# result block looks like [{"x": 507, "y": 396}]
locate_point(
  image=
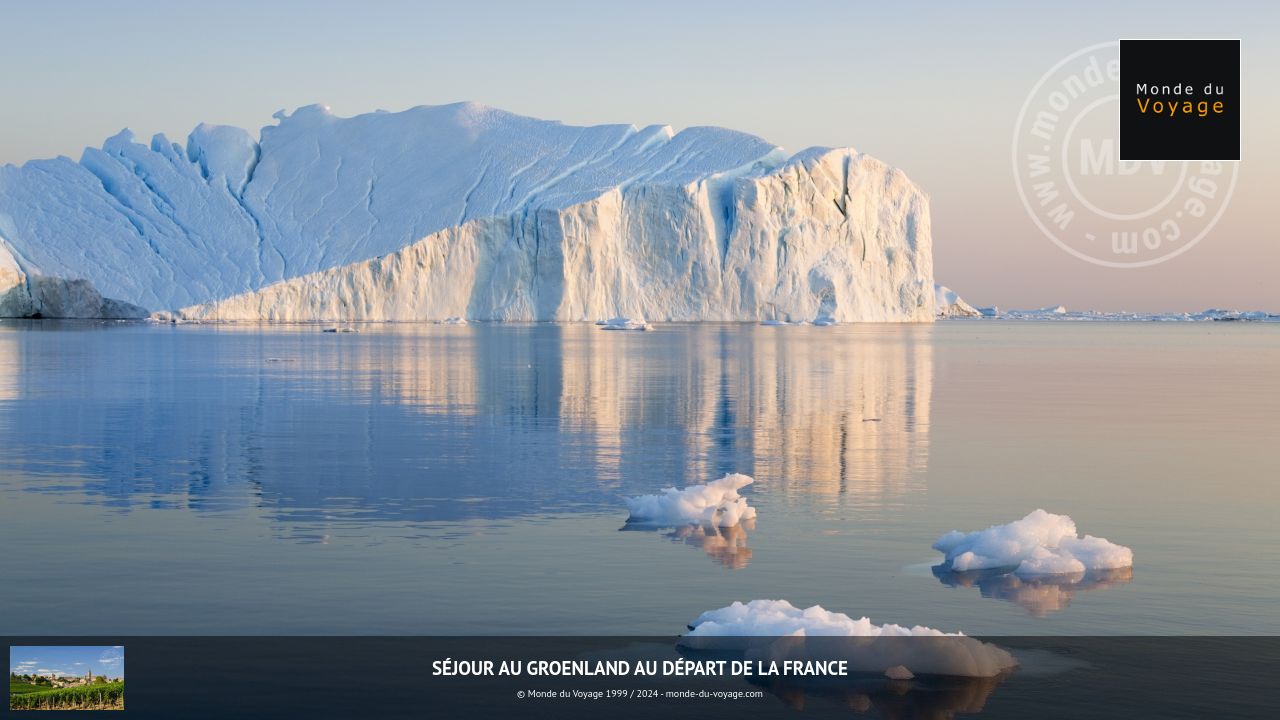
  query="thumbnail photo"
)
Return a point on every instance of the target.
[{"x": 66, "y": 677}]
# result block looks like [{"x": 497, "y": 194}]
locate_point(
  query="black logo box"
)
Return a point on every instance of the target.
[{"x": 1187, "y": 68}]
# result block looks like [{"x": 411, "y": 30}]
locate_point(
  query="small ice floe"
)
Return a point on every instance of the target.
[
  {"x": 715, "y": 504},
  {"x": 824, "y": 322},
  {"x": 776, "y": 630},
  {"x": 453, "y": 321},
  {"x": 1041, "y": 543},
  {"x": 623, "y": 323},
  {"x": 341, "y": 329}
]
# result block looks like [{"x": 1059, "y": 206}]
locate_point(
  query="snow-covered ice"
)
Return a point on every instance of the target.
[
  {"x": 776, "y": 628},
  {"x": 951, "y": 305},
  {"x": 716, "y": 503},
  {"x": 1041, "y": 543},
  {"x": 1059, "y": 313},
  {"x": 622, "y": 323},
  {"x": 468, "y": 211}
]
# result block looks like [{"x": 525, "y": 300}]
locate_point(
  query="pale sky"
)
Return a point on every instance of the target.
[{"x": 932, "y": 88}]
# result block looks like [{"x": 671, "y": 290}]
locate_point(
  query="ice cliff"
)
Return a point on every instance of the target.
[{"x": 471, "y": 212}]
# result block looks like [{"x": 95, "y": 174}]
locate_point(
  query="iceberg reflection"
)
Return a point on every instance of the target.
[
  {"x": 725, "y": 545},
  {"x": 1041, "y": 595},
  {"x": 408, "y": 424}
]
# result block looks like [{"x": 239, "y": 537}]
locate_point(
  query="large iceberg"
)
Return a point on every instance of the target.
[{"x": 471, "y": 212}]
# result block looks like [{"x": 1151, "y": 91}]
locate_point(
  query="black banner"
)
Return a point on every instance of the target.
[{"x": 571, "y": 677}]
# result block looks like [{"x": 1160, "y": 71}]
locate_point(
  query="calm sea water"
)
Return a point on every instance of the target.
[{"x": 456, "y": 480}]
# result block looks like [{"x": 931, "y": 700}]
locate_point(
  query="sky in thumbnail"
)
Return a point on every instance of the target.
[{"x": 67, "y": 660}]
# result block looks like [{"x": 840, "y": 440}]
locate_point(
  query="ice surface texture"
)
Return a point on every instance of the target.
[
  {"x": 467, "y": 211},
  {"x": 1041, "y": 543},
  {"x": 715, "y": 504},
  {"x": 871, "y": 647}
]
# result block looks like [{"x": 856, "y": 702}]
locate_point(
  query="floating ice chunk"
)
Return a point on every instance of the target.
[
  {"x": 776, "y": 629},
  {"x": 339, "y": 330},
  {"x": 776, "y": 618},
  {"x": 788, "y": 323},
  {"x": 824, "y": 322},
  {"x": 454, "y": 321},
  {"x": 715, "y": 504},
  {"x": 1041, "y": 543},
  {"x": 622, "y": 323}
]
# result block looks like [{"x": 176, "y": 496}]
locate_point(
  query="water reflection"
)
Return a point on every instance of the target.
[
  {"x": 923, "y": 698},
  {"x": 325, "y": 433},
  {"x": 1040, "y": 596},
  {"x": 725, "y": 545},
  {"x": 932, "y": 676}
]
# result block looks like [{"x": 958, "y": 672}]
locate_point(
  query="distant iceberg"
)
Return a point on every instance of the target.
[
  {"x": 951, "y": 305},
  {"x": 776, "y": 629},
  {"x": 1041, "y": 543},
  {"x": 1061, "y": 313},
  {"x": 715, "y": 504}
]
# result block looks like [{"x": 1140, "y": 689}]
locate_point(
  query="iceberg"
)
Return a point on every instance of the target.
[
  {"x": 714, "y": 504},
  {"x": 1060, "y": 313},
  {"x": 951, "y": 305},
  {"x": 1041, "y": 543},
  {"x": 471, "y": 212},
  {"x": 776, "y": 629}
]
